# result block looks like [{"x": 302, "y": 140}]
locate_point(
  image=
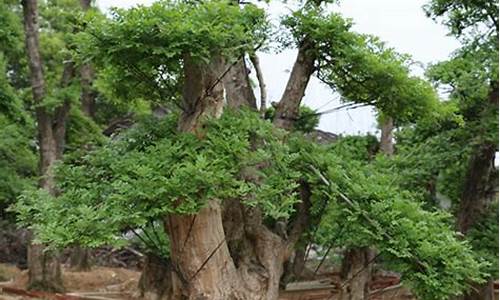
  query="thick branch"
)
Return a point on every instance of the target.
[
  {"x": 288, "y": 107},
  {"x": 262, "y": 85}
]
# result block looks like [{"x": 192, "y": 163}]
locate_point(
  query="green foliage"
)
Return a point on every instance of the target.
[
  {"x": 463, "y": 15},
  {"x": 361, "y": 67},
  {"x": 483, "y": 237},
  {"x": 153, "y": 170},
  {"x": 419, "y": 244},
  {"x": 18, "y": 161},
  {"x": 142, "y": 48}
]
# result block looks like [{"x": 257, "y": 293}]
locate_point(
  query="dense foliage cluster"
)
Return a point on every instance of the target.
[{"x": 142, "y": 175}]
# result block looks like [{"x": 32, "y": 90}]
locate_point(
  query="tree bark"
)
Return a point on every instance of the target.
[
  {"x": 220, "y": 253},
  {"x": 262, "y": 84},
  {"x": 199, "y": 252},
  {"x": 356, "y": 272},
  {"x": 481, "y": 180},
  {"x": 288, "y": 108},
  {"x": 239, "y": 92},
  {"x": 80, "y": 260},
  {"x": 386, "y": 143},
  {"x": 44, "y": 271}
]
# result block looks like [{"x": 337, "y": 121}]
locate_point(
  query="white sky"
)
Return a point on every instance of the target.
[{"x": 400, "y": 23}]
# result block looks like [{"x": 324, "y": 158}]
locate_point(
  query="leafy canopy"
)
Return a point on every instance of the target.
[{"x": 153, "y": 170}]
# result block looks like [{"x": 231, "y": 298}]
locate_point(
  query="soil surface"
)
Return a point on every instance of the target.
[{"x": 113, "y": 283}]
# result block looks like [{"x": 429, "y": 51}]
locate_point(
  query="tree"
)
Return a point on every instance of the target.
[
  {"x": 44, "y": 268},
  {"x": 254, "y": 186}
]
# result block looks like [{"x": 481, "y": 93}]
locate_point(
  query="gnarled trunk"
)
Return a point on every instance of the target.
[
  {"x": 480, "y": 189},
  {"x": 222, "y": 252},
  {"x": 356, "y": 273}
]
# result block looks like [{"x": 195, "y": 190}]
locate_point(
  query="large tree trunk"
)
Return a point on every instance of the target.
[
  {"x": 481, "y": 180},
  {"x": 479, "y": 188},
  {"x": 199, "y": 252},
  {"x": 356, "y": 273},
  {"x": 221, "y": 253},
  {"x": 43, "y": 266}
]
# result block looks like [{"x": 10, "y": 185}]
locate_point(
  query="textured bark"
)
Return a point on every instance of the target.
[
  {"x": 199, "y": 252},
  {"x": 479, "y": 188},
  {"x": 87, "y": 95},
  {"x": 288, "y": 107},
  {"x": 356, "y": 272},
  {"x": 386, "y": 144},
  {"x": 44, "y": 271},
  {"x": 220, "y": 253},
  {"x": 80, "y": 260},
  {"x": 239, "y": 92}
]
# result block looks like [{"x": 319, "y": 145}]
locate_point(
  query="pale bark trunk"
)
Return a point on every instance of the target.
[
  {"x": 386, "y": 137},
  {"x": 262, "y": 84},
  {"x": 239, "y": 258},
  {"x": 288, "y": 108},
  {"x": 199, "y": 252},
  {"x": 239, "y": 92}
]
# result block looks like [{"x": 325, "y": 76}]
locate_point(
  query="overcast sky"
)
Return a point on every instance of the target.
[{"x": 400, "y": 23}]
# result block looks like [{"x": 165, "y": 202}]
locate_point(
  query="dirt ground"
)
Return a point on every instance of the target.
[
  {"x": 104, "y": 280},
  {"x": 107, "y": 283}
]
